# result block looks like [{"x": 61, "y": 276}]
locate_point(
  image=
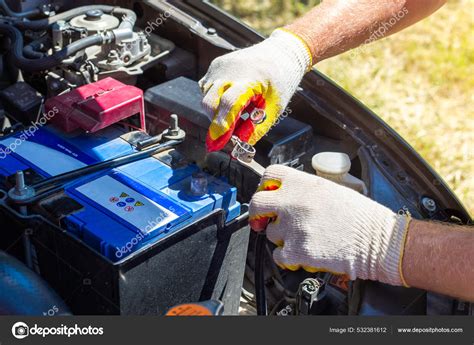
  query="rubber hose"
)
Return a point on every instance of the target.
[
  {"x": 24, "y": 292},
  {"x": 31, "y": 50},
  {"x": 128, "y": 21},
  {"x": 27, "y": 14},
  {"x": 36, "y": 65},
  {"x": 129, "y": 18},
  {"x": 260, "y": 244},
  {"x": 30, "y": 53}
]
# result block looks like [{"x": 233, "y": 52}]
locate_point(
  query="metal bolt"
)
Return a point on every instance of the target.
[
  {"x": 429, "y": 204},
  {"x": 113, "y": 55},
  {"x": 174, "y": 124},
  {"x": 21, "y": 191},
  {"x": 20, "y": 186},
  {"x": 173, "y": 132},
  {"x": 258, "y": 115},
  {"x": 211, "y": 31}
]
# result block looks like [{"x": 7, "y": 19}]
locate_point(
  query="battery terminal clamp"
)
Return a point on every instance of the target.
[
  {"x": 311, "y": 293},
  {"x": 244, "y": 153},
  {"x": 173, "y": 132}
]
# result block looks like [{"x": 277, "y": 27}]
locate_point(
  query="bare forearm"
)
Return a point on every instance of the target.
[
  {"x": 336, "y": 26},
  {"x": 440, "y": 257}
]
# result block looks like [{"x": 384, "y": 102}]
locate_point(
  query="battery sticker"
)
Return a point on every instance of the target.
[
  {"x": 51, "y": 161},
  {"x": 131, "y": 206}
]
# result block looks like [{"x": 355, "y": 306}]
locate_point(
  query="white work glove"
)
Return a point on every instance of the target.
[
  {"x": 264, "y": 76},
  {"x": 322, "y": 226}
]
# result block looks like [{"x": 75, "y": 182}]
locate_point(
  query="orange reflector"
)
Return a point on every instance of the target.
[{"x": 189, "y": 309}]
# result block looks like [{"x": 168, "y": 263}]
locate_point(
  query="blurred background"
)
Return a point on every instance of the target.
[{"x": 420, "y": 81}]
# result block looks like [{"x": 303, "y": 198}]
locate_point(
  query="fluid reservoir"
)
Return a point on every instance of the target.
[{"x": 335, "y": 166}]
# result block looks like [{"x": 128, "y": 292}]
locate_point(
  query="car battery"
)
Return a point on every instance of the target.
[{"x": 122, "y": 238}]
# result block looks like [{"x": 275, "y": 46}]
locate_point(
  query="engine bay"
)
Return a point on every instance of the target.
[{"x": 105, "y": 178}]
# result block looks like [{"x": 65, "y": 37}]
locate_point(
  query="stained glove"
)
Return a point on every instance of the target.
[
  {"x": 322, "y": 226},
  {"x": 264, "y": 76}
]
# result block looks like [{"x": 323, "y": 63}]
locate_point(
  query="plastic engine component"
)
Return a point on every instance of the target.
[
  {"x": 21, "y": 101},
  {"x": 124, "y": 209},
  {"x": 95, "y": 106}
]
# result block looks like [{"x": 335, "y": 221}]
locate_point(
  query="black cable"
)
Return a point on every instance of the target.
[
  {"x": 27, "y": 14},
  {"x": 260, "y": 244},
  {"x": 108, "y": 164},
  {"x": 48, "y": 62},
  {"x": 53, "y": 184}
]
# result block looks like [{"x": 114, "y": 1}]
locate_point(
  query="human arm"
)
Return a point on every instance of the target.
[
  {"x": 440, "y": 257},
  {"x": 336, "y": 26},
  {"x": 333, "y": 228},
  {"x": 267, "y": 74}
]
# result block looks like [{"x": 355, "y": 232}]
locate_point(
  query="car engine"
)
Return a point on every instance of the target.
[{"x": 106, "y": 189}]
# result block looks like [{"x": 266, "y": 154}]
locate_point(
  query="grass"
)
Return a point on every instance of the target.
[{"x": 419, "y": 81}]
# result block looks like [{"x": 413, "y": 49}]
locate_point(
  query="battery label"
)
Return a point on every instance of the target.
[
  {"x": 138, "y": 210},
  {"x": 56, "y": 163}
]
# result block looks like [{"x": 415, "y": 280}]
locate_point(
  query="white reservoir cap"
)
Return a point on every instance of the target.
[{"x": 333, "y": 163}]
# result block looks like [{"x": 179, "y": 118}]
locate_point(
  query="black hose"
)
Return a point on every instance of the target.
[
  {"x": 260, "y": 244},
  {"x": 29, "y": 60},
  {"x": 128, "y": 20},
  {"x": 31, "y": 50},
  {"x": 27, "y": 14},
  {"x": 36, "y": 65}
]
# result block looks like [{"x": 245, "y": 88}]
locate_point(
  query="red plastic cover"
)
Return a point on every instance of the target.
[{"x": 95, "y": 106}]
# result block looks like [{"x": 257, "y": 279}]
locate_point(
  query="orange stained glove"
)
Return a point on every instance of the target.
[{"x": 262, "y": 77}]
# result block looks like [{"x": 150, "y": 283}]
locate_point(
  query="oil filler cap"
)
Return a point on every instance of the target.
[
  {"x": 95, "y": 21},
  {"x": 94, "y": 15}
]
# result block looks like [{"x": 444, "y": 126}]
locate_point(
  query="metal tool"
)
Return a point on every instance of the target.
[{"x": 244, "y": 153}]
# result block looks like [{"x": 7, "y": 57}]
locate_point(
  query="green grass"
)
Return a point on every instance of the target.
[{"x": 420, "y": 81}]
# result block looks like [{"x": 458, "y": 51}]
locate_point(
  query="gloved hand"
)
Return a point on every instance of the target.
[
  {"x": 322, "y": 226},
  {"x": 264, "y": 76}
]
